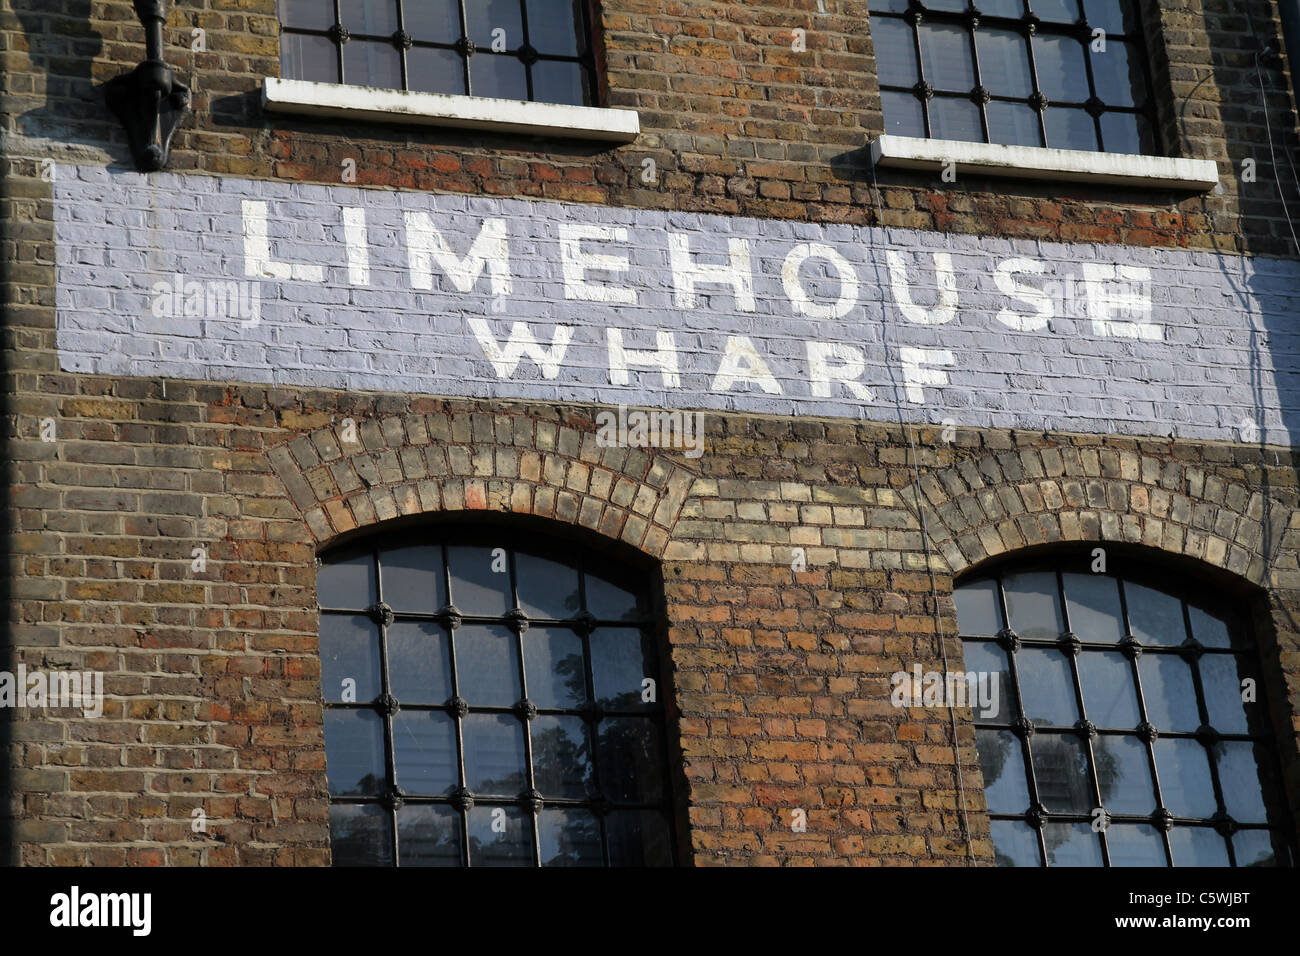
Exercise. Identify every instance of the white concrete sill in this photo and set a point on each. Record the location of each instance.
(1037, 162)
(370, 104)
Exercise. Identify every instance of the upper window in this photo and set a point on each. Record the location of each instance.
(491, 701)
(1067, 74)
(1131, 729)
(538, 50)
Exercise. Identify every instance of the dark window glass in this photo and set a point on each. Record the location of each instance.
(1131, 712)
(491, 703)
(536, 50)
(1021, 75)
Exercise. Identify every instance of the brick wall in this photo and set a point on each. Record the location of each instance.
(780, 676)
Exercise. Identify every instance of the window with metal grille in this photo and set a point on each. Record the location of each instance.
(1067, 74)
(1131, 728)
(491, 701)
(537, 50)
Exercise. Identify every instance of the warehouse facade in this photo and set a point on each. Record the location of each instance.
(515, 433)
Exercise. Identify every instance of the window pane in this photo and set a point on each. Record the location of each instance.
(1093, 604)
(1033, 605)
(1198, 846)
(957, 119)
(1221, 677)
(494, 754)
(1109, 15)
(487, 16)
(553, 663)
(1001, 761)
(1156, 618)
(412, 579)
(561, 757)
(1061, 770)
(1259, 848)
(895, 52)
(1168, 692)
(1071, 844)
(428, 835)
(307, 14)
(1240, 774)
(1014, 843)
(631, 763)
(311, 58)
(372, 63)
(611, 602)
(1124, 775)
(1109, 694)
(1013, 125)
(1117, 75)
(480, 580)
(487, 665)
(354, 752)
(349, 652)
(977, 608)
(946, 55)
(1069, 129)
(347, 584)
(1126, 133)
(547, 588)
(555, 27)
(987, 658)
(376, 17)
(887, 6)
(500, 836)
(1046, 687)
(1061, 73)
(431, 70)
(638, 838)
(433, 21)
(419, 667)
(1185, 783)
(424, 747)
(621, 658)
(559, 82)
(1056, 11)
(361, 835)
(1135, 844)
(903, 115)
(1209, 630)
(569, 837)
(1004, 62)
(1015, 9)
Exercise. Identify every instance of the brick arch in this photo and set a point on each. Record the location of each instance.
(986, 506)
(477, 461)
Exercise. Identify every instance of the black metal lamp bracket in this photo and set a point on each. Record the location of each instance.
(149, 100)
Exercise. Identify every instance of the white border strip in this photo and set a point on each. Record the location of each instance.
(1036, 162)
(369, 103)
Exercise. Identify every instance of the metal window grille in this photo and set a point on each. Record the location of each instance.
(1123, 734)
(1068, 74)
(535, 50)
(491, 702)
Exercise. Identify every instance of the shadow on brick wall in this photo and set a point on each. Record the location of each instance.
(63, 47)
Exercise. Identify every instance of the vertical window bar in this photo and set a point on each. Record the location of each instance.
(464, 49)
(1026, 751)
(338, 40)
(594, 723)
(529, 775)
(401, 48)
(390, 750)
(528, 67)
(1203, 714)
(1028, 28)
(455, 692)
(915, 24)
(980, 103)
(1087, 737)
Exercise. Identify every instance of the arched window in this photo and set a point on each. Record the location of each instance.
(491, 699)
(1131, 728)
